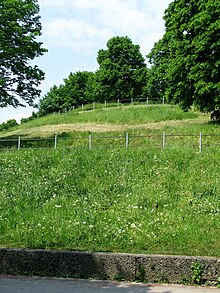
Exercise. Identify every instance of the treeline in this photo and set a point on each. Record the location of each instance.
(184, 65)
(8, 124)
(12, 122)
(122, 74)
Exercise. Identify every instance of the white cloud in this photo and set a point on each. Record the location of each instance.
(77, 34)
(86, 25)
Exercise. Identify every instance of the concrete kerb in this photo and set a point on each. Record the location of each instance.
(152, 268)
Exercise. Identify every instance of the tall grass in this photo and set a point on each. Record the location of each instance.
(137, 200)
(117, 115)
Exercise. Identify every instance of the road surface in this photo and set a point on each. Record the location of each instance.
(9, 284)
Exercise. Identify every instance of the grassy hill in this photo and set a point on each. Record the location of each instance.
(142, 200)
(129, 118)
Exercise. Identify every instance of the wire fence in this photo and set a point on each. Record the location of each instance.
(115, 103)
(125, 140)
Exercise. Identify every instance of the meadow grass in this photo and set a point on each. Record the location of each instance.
(143, 200)
(116, 115)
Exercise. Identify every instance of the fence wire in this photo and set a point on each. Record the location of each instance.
(199, 141)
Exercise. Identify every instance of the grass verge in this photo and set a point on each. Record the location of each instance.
(137, 200)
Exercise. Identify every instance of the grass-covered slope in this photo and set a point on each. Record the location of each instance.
(137, 200)
(147, 200)
(106, 120)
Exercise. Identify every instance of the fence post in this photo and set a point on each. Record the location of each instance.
(163, 101)
(90, 141)
(55, 142)
(200, 142)
(82, 107)
(105, 104)
(19, 143)
(147, 101)
(132, 101)
(126, 140)
(118, 102)
(164, 140)
(93, 105)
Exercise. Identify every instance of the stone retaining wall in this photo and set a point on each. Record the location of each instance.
(152, 268)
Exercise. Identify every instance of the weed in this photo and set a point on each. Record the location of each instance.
(197, 270)
(140, 275)
(118, 278)
(218, 282)
(185, 280)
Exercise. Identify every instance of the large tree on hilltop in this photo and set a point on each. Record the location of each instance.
(188, 61)
(19, 28)
(122, 70)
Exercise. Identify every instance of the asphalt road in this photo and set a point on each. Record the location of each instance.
(44, 285)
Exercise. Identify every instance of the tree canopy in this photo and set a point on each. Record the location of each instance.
(19, 27)
(122, 70)
(75, 91)
(186, 60)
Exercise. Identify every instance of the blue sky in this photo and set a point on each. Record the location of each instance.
(74, 30)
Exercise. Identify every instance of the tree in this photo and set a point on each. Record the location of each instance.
(122, 70)
(156, 81)
(76, 88)
(9, 124)
(51, 102)
(74, 92)
(191, 63)
(19, 28)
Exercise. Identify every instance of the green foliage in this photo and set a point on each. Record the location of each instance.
(157, 80)
(19, 28)
(140, 275)
(197, 270)
(74, 92)
(122, 71)
(218, 282)
(186, 60)
(9, 124)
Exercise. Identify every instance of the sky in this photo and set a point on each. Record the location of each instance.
(74, 30)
